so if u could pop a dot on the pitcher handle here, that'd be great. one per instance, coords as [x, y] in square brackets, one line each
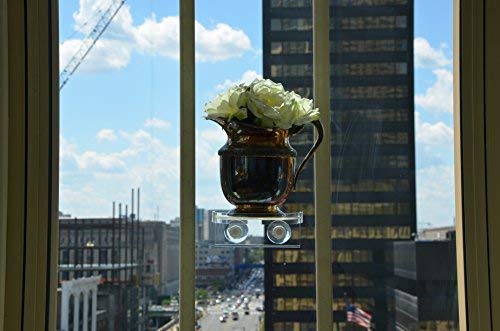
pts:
[319, 128]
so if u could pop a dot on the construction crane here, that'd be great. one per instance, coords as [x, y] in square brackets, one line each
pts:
[89, 42]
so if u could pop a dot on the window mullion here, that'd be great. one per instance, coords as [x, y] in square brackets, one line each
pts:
[322, 175]
[187, 166]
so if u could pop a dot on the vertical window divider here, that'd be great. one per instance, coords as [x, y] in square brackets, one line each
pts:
[187, 166]
[322, 168]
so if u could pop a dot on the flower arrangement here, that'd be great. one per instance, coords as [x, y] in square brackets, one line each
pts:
[263, 103]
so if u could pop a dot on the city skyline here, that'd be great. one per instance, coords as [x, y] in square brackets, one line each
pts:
[105, 157]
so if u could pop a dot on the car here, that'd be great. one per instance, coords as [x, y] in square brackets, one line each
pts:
[222, 319]
[217, 301]
[259, 308]
[235, 316]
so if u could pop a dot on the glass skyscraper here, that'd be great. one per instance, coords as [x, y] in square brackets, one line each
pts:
[372, 150]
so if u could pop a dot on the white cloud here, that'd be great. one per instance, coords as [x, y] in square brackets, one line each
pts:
[220, 43]
[143, 161]
[153, 36]
[439, 96]
[212, 44]
[434, 142]
[107, 54]
[428, 57]
[438, 133]
[106, 135]
[215, 136]
[432, 133]
[99, 161]
[66, 149]
[157, 124]
[90, 11]
[436, 195]
[247, 77]
[159, 37]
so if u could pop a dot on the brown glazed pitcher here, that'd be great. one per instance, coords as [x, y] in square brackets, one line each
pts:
[257, 166]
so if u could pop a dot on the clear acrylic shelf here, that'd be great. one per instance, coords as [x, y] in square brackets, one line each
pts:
[281, 231]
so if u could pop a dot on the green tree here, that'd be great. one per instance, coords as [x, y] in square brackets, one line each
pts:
[255, 256]
[201, 294]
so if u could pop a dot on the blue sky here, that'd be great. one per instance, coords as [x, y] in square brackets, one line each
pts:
[120, 111]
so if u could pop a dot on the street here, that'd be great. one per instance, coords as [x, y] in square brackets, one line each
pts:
[245, 322]
[228, 304]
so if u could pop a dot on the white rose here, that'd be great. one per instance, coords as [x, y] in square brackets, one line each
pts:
[265, 98]
[267, 101]
[228, 104]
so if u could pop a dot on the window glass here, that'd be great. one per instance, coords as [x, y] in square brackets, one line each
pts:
[392, 194]
[275, 24]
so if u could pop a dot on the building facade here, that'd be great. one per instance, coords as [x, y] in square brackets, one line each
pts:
[422, 286]
[161, 257]
[111, 250]
[440, 233]
[372, 149]
[214, 265]
[201, 217]
[78, 305]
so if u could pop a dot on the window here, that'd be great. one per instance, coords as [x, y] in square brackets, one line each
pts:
[388, 174]
[369, 69]
[369, 46]
[389, 115]
[370, 92]
[354, 3]
[369, 22]
[291, 3]
[292, 70]
[275, 24]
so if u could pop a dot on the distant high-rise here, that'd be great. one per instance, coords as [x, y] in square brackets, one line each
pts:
[372, 147]
[161, 256]
[200, 215]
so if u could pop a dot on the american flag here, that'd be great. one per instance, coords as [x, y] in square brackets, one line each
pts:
[359, 316]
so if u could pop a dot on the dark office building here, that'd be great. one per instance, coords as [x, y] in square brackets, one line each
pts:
[372, 147]
[422, 286]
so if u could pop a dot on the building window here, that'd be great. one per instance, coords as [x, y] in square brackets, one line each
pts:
[370, 92]
[352, 256]
[368, 22]
[369, 46]
[291, 70]
[294, 304]
[370, 232]
[276, 48]
[275, 24]
[291, 47]
[353, 3]
[369, 69]
[388, 115]
[290, 3]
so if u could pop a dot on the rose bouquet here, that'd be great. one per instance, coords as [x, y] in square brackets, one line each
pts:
[262, 103]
